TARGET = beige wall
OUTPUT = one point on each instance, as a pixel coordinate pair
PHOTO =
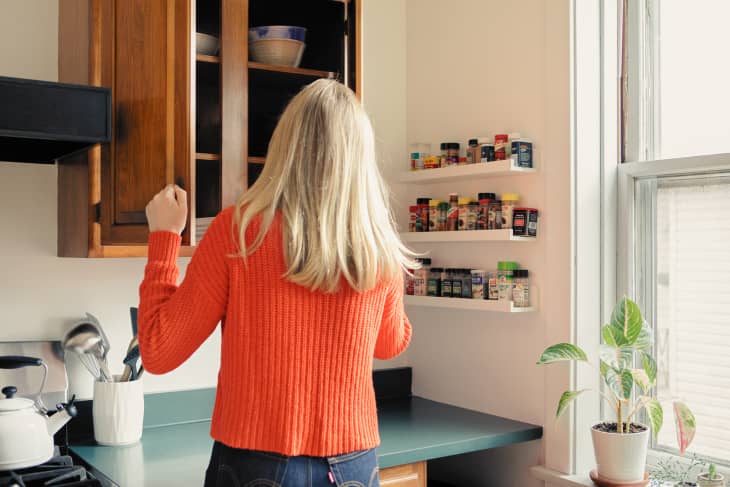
(41, 295)
(480, 67)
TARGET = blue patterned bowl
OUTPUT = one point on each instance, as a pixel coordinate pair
(277, 32)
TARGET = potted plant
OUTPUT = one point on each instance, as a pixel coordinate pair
(675, 472)
(629, 371)
(711, 478)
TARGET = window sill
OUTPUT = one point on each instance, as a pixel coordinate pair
(553, 477)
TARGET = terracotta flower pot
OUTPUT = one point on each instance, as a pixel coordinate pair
(704, 480)
(620, 457)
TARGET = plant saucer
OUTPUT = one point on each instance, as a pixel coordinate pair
(601, 482)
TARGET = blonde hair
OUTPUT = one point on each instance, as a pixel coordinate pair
(321, 173)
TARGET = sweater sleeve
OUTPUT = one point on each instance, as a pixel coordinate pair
(174, 321)
(395, 330)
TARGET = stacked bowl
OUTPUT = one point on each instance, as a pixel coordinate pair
(281, 45)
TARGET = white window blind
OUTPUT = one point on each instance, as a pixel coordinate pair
(693, 308)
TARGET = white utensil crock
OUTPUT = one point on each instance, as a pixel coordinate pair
(118, 412)
(621, 457)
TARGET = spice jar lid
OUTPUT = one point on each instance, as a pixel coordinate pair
(478, 271)
(437, 269)
(425, 260)
(486, 139)
(443, 205)
(444, 145)
(526, 209)
(413, 207)
(434, 202)
(510, 197)
(464, 200)
(423, 201)
(487, 196)
(514, 135)
(520, 273)
(473, 142)
(507, 265)
(452, 145)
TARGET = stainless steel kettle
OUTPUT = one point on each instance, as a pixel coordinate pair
(26, 428)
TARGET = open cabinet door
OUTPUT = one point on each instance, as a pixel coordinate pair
(145, 58)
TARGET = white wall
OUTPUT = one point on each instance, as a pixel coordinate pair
(480, 67)
(41, 295)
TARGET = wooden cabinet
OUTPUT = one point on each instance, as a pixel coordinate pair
(200, 121)
(411, 475)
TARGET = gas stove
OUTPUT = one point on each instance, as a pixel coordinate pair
(59, 471)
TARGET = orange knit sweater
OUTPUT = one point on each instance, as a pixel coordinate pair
(296, 365)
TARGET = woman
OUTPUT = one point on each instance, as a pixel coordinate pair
(305, 275)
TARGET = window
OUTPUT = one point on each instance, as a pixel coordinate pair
(674, 195)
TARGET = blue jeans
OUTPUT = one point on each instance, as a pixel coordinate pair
(231, 467)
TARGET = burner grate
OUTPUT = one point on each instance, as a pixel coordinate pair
(59, 471)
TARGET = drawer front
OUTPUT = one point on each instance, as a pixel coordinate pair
(411, 475)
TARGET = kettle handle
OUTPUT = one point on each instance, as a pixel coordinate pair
(18, 361)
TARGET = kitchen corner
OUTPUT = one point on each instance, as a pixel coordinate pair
(175, 446)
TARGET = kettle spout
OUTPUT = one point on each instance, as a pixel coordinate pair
(63, 416)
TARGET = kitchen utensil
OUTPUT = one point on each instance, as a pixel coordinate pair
(133, 313)
(102, 348)
(206, 44)
(280, 52)
(80, 339)
(118, 412)
(130, 361)
(26, 432)
(277, 32)
(139, 372)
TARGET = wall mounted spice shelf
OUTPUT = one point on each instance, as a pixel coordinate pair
(470, 304)
(503, 235)
(468, 171)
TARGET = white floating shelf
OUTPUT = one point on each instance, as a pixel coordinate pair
(467, 171)
(504, 235)
(469, 304)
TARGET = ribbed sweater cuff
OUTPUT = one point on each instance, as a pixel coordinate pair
(164, 246)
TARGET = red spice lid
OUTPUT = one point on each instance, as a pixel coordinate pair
(413, 208)
(527, 209)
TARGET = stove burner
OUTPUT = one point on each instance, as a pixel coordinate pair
(59, 471)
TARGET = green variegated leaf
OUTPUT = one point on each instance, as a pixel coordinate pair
(610, 336)
(645, 342)
(641, 379)
(626, 318)
(686, 425)
(616, 357)
(562, 352)
(604, 368)
(620, 381)
(649, 367)
(654, 412)
(566, 399)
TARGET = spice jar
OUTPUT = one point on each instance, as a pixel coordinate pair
(466, 288)
(472, 215)
(492, 286)
(463, 210)
(444, 154)
(452, 218)
(505, 276)
(521, 152)
(521, 288)
(420, 277)
(443, 216)
(446, 282)
(483, 212)
(509, 201)
(409, 282)
(433, 215)
(452, 153)
(456, 283)
(412, 217)
(513, 136)
(472, 153)
(422, 219)
(419, 151)
(494, 215)
(431, 162)
(434, 281)
(500, 147)
(524, 222)
(478, 283)
(486, 149)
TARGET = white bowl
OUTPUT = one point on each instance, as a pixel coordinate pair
(279, 52)
(206, 44)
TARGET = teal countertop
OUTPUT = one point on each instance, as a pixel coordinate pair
(411, 430)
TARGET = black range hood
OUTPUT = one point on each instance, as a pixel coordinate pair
(42, 122)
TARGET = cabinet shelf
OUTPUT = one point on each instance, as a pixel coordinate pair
(470, 304)
(503, 235)
(256, 160)
(311, 73)
(204, 156)
(468, 171)
(204, 58)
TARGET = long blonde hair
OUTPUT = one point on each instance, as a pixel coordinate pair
(321, 173)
